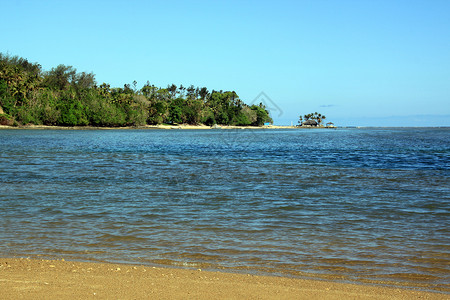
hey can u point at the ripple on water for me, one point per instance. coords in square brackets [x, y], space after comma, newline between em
[368, 205]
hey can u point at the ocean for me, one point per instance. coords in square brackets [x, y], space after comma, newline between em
[368, 205]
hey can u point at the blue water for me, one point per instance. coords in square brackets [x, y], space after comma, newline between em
[366, 205]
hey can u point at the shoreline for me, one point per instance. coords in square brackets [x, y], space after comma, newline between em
[35, 278]
[165, 127]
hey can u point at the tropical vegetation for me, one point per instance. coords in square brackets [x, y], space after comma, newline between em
[62, 96]
[312, 119]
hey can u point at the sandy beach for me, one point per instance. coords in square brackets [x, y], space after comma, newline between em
[22, 278]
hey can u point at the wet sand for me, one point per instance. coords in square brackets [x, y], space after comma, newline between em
[57, 279]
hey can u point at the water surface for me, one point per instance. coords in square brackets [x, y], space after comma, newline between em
[366, 205]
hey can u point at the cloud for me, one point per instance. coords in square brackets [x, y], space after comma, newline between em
[327, 105]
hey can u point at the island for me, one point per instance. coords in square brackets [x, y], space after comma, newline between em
[65, 97]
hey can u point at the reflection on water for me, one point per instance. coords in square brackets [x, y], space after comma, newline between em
[367, 205]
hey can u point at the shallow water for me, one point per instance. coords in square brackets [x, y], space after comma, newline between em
[353, 204]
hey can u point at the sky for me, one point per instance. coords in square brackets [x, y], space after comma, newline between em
[360, 63]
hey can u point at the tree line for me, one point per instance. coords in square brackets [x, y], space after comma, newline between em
[65, 97]
[312, 119]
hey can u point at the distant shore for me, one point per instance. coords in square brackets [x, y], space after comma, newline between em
[23, 278]
[182, 126]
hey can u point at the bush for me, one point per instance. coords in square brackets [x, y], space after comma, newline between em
[101, 112]
[27, 115]
[156, 113]
[262, 115]
[72, 114]
[7, 101]
[6, 119]
[241, 120]
[209, 120]
[137, 114]
[175, 115]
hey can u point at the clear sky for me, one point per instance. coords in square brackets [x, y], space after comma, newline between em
[361, 62]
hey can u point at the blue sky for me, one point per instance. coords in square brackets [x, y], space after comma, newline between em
[358, 62]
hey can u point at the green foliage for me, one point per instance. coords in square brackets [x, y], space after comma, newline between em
[262, 115]
[48, 107]
[102, 112]
[64, 97]
[312, 116]
[241, 119]
[20, 63]
[73, 112]
[156, 112]
[6, 119]
[209, 118]
[176, 112]
[7, 101]
[137, 114]
[41, 109]
[192, 111]
[60, 78]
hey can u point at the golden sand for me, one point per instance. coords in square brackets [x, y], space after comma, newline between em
[58, 279]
